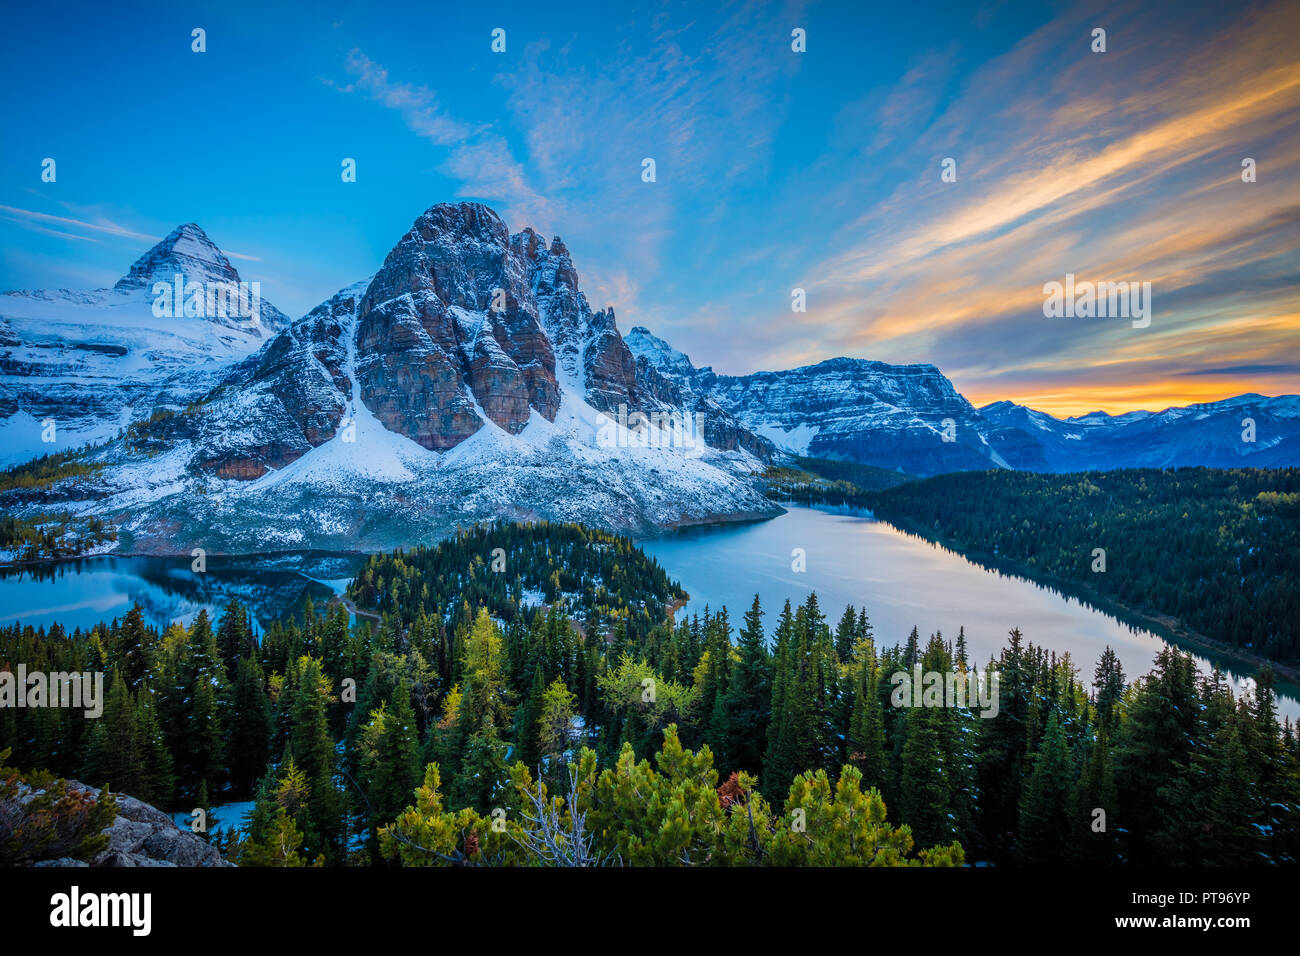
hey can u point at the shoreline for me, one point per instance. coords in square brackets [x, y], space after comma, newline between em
[635, 536]
[1164, 626]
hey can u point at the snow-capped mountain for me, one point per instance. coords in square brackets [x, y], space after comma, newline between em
[904, 417]
[467, 380]
[1211, 434]
[896, 416]
[92, 362]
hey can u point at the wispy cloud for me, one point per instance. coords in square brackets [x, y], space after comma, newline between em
[476, 155]
[704, 102]
[1115, 166]
[31, 216]
[32, 219]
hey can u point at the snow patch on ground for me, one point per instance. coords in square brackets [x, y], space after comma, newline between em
[795, 440]
[228, 816]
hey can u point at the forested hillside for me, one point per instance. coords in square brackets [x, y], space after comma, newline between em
[1217, 549]
[447, 734]
[597, 576]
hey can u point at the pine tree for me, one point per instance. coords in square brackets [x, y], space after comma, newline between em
[204, 742]
[554, 723]
[846, 635]
[526, 718]
[1092, 836]
[1109, 684]
[390, 762]
[157, 781]
[1154, 750]
[1232, 802]
[778, 761]
[1044, 834]
[749, 695]
[924, 788]
[865, 743]
[1002, 743]
[113, 756]
[311, 749]
[135, 648]
[248, 740]
[483, 770]
[234, 635]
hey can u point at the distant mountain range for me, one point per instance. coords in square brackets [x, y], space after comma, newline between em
[470, 379]
[1211, 434]
[910, 418]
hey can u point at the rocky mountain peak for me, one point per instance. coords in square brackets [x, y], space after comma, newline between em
[466, 323]
[658, 353]
[186, 250]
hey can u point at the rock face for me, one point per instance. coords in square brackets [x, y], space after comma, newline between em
[280, 403]
[142, 835]
[463, 323]
[467, 380]
[890, 416]
[721, 428]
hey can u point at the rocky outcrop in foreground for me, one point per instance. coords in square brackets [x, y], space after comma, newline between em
[142, 835]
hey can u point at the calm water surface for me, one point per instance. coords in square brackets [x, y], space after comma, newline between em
[83, 593]
[902, 580]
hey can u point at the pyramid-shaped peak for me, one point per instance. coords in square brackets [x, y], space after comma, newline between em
[186, 250]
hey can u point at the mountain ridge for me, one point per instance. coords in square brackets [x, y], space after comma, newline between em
[1241, 431]
[469, 379]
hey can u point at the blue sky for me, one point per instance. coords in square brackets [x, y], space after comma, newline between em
[775, 169]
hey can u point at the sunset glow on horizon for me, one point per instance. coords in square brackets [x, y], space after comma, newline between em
[777, 170]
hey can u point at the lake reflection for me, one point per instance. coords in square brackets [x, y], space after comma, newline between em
[904, 582]
[83, 593]
[851, 559]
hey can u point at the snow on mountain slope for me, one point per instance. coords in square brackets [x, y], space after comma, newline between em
[1209, 434]
[905, 417]
[466, 381]
[91, 362]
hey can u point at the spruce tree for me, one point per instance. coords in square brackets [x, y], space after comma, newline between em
[248, 740]
[554, 722]
[749, 695]
[1043, 838]
[865, 741]
[1094, 837]
[390, 762]
[1153, 752]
